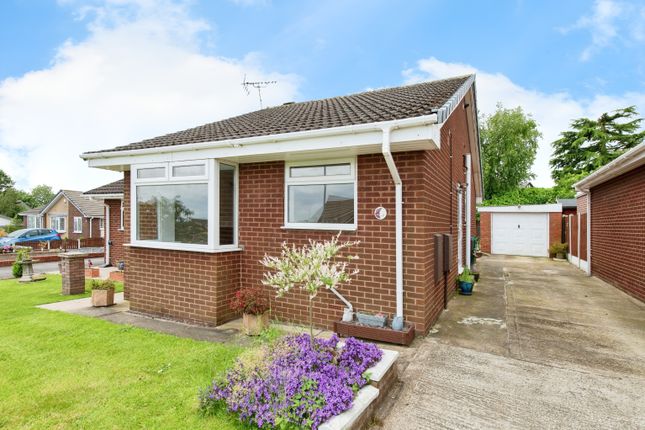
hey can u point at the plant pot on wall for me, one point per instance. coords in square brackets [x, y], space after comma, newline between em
[255, 324]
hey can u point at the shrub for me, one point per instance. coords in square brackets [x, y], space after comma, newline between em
[250, 301]
[558, 248]
[21, 255]
[466, 276]
[98, 284]
[293, 384]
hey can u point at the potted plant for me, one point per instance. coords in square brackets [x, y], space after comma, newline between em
[254, 305]
[466, 281]
[102, 292]
[559, 250]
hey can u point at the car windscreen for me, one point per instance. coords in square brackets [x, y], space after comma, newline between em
[17, 233]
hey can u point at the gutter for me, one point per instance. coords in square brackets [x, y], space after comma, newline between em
[612, 169]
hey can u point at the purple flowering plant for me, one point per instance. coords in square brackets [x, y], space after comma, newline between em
[293, 383]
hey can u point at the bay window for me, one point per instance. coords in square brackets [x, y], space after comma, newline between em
[188, 205]
[321, 195]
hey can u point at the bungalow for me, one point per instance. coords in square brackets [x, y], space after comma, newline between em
[393, 168]
[69, 213]
[608, 241]
[112, 197]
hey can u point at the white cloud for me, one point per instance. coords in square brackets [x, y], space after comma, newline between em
[552, 111]
[138, 74]
[609, 21]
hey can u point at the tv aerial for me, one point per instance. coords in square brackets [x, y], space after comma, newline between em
[258, 85]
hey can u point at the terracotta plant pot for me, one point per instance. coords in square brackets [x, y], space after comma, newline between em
[254, 324]
[103, 297]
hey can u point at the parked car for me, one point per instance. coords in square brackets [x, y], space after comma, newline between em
[30, 235]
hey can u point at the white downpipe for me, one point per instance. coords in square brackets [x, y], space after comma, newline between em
[468, 211]
[398, 209]
[91, 219]
[589, 232]
[106, 226]
[578, 237]
[460, 229]
[343, 299]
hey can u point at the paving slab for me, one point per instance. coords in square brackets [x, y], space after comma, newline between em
[538, 345]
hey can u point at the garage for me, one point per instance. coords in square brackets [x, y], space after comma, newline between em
[520, 230]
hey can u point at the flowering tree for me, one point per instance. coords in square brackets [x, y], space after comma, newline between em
[310, 268]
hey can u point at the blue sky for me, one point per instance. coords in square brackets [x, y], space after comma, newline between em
[77, 75]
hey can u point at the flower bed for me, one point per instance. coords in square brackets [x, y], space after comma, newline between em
[294, 384]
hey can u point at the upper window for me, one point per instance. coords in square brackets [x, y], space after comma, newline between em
[78, 224]
[192, 208]
[321, 195]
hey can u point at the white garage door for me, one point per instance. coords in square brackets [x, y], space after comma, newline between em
[520, 234]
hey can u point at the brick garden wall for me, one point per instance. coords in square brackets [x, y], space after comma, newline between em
[618, 232]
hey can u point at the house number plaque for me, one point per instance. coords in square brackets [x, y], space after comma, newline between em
[380, 213]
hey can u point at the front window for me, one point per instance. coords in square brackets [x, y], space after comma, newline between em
[190, 205]
[321, 195]
[58, 223]
[78, 224]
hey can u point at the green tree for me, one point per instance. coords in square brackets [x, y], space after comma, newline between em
[5, 181]
[591, 144]
[509, 140]
[41, 195]
[11, 202]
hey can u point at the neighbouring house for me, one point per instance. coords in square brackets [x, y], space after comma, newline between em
[32, 218]
[112, 197]
[609, 238]
[69, 213]
[390, 168]
[4, 220]
[526, 230]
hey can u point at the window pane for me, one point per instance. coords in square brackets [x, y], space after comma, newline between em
[173, 213]
[338, 169]
[305, 171]
[226, 204]
[328, 204]
[192, 170]
[151, 172]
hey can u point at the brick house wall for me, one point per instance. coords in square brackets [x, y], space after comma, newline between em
[117, 235]
[197, 287]
[72, 212]
[618, 232]
[485, 229]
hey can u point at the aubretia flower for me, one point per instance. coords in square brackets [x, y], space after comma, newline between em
[294, 382]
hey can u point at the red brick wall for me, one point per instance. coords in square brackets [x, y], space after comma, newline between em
[197, 287]
[618, 232]
[555, 228]
[194, 287]
[72, 212]
[117, 236]
[485, 229]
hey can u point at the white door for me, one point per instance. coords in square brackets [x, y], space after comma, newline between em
[520, 234]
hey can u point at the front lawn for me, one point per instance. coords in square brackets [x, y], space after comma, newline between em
[67, 371]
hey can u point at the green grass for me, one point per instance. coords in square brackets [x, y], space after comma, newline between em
[65, 371]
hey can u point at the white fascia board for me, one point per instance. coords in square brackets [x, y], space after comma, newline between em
[631, 159]
[555, 207]
[407, 134]
[115, 196]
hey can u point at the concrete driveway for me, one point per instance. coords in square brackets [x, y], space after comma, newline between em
[539, 345]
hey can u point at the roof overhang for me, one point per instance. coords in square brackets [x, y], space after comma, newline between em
[105, 196]
[410, 134]
[631, 159]
[554, 207]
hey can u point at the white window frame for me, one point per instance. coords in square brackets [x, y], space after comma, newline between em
[78, 219]
[36, 220]
[320, 180]
[211, 178]
[54, 223]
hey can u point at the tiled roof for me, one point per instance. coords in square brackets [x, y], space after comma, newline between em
[372, 106]
[87, 206]
[115, 187]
